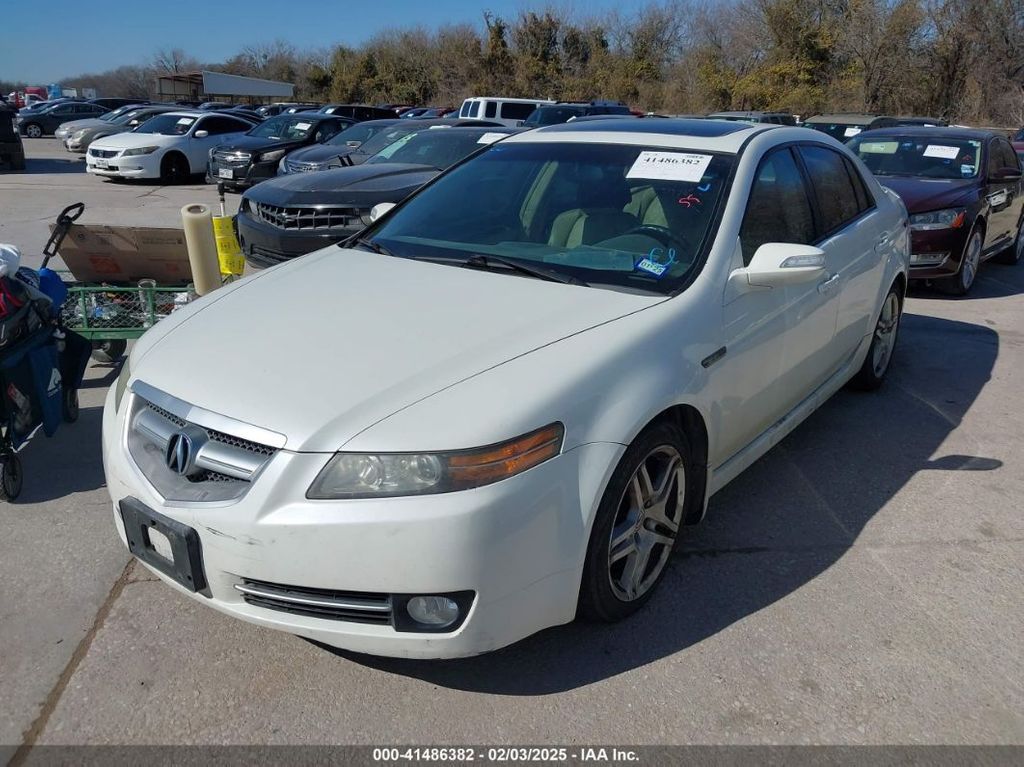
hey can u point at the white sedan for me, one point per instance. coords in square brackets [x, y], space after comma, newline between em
[170, 147]
[504, 401]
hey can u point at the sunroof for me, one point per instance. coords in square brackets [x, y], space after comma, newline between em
[665, 125]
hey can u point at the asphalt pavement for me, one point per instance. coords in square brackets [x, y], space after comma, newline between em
[861, 584]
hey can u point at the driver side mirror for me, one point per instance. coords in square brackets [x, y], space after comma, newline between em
[201, 133]
[776, 264]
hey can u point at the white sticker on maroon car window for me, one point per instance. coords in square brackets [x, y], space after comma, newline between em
[670, 166]
[941, 151]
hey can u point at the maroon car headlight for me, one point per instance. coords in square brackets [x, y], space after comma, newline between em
[950, 218]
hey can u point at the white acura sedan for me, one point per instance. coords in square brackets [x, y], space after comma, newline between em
[170, 147]
[498, 407]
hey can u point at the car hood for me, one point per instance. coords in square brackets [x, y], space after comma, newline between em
[130, 140]
[323, 347]
[90, 122]
[341, 184]
[321, 153]
[258, 143]
[923, 194]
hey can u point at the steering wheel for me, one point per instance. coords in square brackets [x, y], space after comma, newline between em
[662, 234]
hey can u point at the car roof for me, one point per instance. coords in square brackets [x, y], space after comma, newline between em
[850, 118]
[938, 131]
[745, 114]
[710, 135]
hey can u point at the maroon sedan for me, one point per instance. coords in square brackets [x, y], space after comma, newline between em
[964, 193]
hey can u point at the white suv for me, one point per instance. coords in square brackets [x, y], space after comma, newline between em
[504, 401]
[509, 112]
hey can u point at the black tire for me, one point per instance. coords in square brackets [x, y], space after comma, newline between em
[11, 476]
[960, 284]
[601, 590]
[33, 130]
[108, 352]
[175, 169]
[879, 358]
[1013, 254]
[70, 405]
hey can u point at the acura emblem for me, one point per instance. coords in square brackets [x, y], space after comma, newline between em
[182, 449]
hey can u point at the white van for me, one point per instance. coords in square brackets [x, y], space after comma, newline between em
[505, 111]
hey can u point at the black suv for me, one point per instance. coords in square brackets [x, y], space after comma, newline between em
[564, 111]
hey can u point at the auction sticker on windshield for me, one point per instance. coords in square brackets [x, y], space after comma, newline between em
[670, 166]
[490, 138]
[945, 152]
[302, 126]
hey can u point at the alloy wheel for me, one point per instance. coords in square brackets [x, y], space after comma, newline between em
[972, 261]
[33, 131]
[646, 523]
[885, 334]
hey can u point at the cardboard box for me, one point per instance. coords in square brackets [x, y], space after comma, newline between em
[126, 254]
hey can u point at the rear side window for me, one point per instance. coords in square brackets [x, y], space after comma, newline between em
[512, 111]
[778, 209]
[832, 186]
[865, 201]
[492, 109]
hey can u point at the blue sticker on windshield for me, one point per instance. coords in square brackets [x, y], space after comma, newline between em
[654, 267]
[966, 170]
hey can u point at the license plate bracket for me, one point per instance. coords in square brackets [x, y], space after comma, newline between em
[225, 173]
[102, 164]
[185, 566]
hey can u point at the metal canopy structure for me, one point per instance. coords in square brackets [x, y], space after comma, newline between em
[206, 85]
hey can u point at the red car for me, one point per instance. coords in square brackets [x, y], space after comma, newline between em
[963, 190]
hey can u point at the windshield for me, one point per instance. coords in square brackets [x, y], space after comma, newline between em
[290, 128]
[919, 156]
[628, 216]
[126, 117]
[553, 115]
[119, 112]
[1019, 135]
[357, 134]
[167, 125]
[838, 131]
[438, 148]
[386, 138]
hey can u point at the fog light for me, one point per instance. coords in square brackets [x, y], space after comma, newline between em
[435, 612]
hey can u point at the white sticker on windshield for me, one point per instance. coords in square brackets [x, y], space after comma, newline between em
[186, 121]
[851, 131]
[490, 138]
[945, 152]
[670, 166]
[303, 126]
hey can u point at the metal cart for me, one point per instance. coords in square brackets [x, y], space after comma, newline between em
[110, 315]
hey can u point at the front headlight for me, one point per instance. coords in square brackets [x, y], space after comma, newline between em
[139, 150]
[384, 475]
[77, 135]
[274, 156]
[951, 218]
[122, 382]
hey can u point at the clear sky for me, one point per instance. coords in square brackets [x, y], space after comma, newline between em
[44, 41]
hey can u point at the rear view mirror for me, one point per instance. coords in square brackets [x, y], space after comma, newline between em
[201, 133]
[776, 264]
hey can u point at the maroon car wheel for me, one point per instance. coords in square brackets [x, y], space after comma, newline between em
[960, 283]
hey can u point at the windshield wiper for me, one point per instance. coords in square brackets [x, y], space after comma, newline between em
[369, 244]
[496, 263]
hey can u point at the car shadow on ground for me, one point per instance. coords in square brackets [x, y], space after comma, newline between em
[777, 527]
[995, 280]
[75, 164]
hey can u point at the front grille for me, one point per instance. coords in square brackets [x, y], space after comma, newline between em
[307, 218]
[355, 606]
[294, 166]
[226, 157]
[104, 153]
[222, 468]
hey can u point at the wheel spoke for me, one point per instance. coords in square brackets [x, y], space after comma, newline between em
[654, 538]
[633, 572]
[623, 544]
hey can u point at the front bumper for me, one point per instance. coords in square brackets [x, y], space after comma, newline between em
[518, 545]
[137, 166]
[265, 245]
[238, 176]
[937, 254]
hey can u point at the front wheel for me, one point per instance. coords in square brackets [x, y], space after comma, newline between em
[174, 169]
[33, 130]
[70, 405]
[10, 476]
[109, 352]
[960, 284]
[637, 524]
[883, 343]
[1012, 255]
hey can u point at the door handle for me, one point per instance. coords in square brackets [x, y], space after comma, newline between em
[882, 243]
[827, 285]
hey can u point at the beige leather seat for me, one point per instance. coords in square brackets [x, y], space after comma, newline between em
[599, 217]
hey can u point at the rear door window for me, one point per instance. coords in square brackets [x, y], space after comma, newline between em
[513, 111]
[492, 109]
[833, 189]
